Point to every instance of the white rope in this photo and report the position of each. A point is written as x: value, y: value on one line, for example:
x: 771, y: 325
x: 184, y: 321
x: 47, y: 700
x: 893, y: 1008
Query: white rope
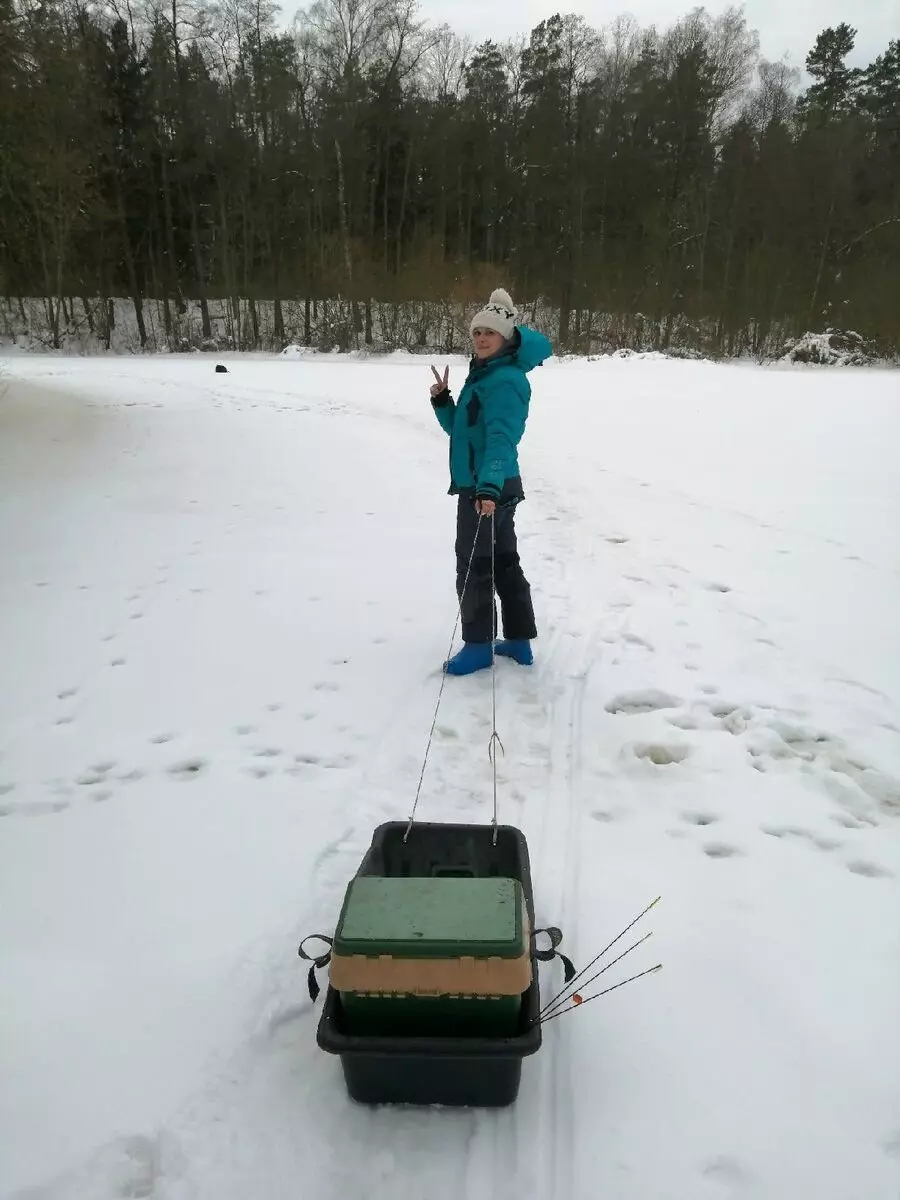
x: 412, y: 815
x: 495, y: 737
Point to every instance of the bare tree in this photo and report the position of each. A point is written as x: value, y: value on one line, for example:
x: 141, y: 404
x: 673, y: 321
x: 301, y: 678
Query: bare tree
x: 444, y: 63
x: 775, y: 96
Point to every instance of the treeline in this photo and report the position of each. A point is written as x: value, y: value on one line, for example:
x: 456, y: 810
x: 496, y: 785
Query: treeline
x: 630, y: 179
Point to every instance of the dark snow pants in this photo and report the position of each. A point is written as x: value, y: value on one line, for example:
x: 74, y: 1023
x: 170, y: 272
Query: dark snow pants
x: 479, y: 613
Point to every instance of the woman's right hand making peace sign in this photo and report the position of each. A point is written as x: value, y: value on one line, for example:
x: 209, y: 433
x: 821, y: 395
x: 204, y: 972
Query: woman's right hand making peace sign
x: 441, y: 382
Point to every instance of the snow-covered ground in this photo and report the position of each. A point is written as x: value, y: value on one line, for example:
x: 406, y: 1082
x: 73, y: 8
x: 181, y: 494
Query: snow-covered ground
x: 224, y: 600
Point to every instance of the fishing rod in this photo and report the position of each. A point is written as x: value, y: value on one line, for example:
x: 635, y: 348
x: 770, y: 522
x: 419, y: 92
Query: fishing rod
x: 562, y: 996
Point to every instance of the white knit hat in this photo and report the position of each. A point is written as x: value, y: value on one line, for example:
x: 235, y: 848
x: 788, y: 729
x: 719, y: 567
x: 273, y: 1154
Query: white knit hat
x: 498, y: 314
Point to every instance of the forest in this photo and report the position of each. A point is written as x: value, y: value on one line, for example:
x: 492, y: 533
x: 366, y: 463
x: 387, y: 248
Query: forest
x: 634, y: 187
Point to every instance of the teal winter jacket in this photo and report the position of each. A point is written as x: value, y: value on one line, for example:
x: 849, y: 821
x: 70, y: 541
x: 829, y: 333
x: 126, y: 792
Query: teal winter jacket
x: 486, y: 423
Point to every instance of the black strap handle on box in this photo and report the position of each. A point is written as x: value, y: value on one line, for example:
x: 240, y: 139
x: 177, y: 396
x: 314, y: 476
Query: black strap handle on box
x: 555, y: 936
x: 317, y: 960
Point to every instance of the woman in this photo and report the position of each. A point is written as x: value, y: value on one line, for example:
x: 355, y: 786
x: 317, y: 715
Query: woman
x: 485, y: 426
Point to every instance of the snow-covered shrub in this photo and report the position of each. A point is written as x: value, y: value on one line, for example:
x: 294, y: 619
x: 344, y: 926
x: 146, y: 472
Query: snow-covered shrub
x: 833, y: 348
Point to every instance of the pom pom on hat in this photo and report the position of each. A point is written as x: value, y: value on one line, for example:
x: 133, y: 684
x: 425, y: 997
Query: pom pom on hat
x: 498, y: 314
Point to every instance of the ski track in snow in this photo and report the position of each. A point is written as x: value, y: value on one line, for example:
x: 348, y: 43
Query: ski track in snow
x: 684, y: 733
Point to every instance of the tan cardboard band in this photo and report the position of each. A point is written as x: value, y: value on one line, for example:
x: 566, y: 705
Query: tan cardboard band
x: 463, y: 976
x: 431, y: 976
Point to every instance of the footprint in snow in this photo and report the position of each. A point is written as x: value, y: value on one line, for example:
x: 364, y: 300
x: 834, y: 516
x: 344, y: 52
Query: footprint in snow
x: 723, y: 708
x: 67, y: 693
x: 868, y: 869
x: 634, y: 639
x: 720, y: 850
x: 326, y: 686
x: 188, y: 768
x: 244, y: 730
x: 848, y: 821
x: 160, y: 739
x: 91, y: 778
x: 825, y: 843
x: 797, y: 831
x: 660, y: 755
x: 258, y: 772
x: 699, y: 818
x: 647, y: 700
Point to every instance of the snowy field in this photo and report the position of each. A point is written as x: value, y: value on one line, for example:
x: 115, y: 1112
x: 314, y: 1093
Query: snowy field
x: 224, y: 600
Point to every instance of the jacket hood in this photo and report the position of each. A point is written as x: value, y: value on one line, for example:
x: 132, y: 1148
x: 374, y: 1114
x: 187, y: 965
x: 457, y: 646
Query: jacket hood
x: 526, y: 350
x: 533, y: 348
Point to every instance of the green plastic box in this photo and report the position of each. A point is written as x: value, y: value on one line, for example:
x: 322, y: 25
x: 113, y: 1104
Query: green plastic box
x: 438, y: 955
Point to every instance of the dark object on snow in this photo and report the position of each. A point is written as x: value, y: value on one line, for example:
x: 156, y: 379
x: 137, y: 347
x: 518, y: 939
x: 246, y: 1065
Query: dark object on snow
x: 423, y: 1069
x: 221, y: 370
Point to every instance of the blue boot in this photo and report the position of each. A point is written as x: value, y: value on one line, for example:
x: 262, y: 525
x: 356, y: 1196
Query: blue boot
x: 474, y: 656
x: 518, y: 649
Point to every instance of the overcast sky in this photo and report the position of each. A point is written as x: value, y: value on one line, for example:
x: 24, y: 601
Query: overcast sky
x: 784, y: 26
